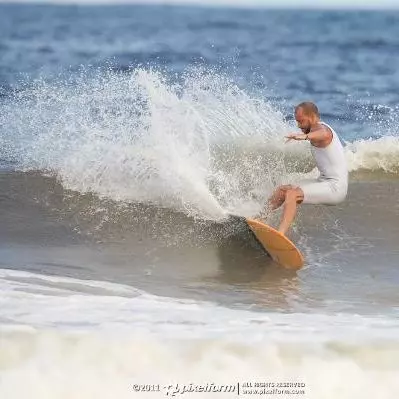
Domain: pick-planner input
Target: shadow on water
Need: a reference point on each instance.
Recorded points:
(245, 267)
(242, 258)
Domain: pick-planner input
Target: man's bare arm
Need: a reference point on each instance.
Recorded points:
(319, 135)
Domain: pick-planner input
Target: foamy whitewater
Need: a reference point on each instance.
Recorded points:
(128, 137)
(106, 338)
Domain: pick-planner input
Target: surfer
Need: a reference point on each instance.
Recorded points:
(331, 186)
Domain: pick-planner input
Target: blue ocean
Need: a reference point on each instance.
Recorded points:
(128, 135)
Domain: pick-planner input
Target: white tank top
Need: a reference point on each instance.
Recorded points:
(331, 160)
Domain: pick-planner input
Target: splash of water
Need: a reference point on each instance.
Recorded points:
(201, 145)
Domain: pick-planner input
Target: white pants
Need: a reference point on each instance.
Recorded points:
(318, 191)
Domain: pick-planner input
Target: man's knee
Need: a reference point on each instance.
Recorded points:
(285, 187)
(281, 191)
(294, 195)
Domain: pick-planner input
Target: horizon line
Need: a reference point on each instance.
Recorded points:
(211, 4)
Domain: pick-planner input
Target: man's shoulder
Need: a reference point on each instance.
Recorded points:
(326, 128)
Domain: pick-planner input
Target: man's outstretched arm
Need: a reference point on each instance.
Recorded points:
(316, 135)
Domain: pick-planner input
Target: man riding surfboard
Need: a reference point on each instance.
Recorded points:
(331, 186)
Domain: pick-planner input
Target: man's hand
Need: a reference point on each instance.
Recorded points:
(299, 136)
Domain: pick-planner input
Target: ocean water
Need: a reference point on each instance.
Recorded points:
(128, 134)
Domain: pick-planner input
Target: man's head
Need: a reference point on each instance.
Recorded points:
(306, 115)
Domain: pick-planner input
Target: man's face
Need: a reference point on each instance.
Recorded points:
(303, 121)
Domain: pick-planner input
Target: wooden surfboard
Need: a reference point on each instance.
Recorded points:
(277, 245)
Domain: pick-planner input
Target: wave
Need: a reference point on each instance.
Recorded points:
(86, 329)
(199, 145)
(143, 137)
(374, 154)
(45, 360)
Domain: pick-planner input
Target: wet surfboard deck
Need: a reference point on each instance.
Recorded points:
(282, 250)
